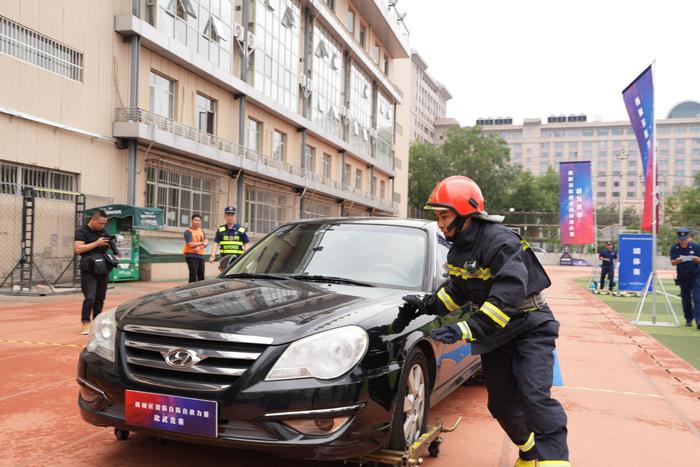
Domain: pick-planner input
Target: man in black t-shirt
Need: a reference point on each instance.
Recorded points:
(91, 243)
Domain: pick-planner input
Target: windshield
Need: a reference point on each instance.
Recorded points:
(384, 255)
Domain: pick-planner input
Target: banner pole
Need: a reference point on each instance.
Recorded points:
(655, 197)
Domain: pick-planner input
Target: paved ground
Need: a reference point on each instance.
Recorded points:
(630, 401)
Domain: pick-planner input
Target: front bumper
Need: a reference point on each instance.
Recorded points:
(251, 415)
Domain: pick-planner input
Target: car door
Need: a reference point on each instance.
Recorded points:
(452, 359)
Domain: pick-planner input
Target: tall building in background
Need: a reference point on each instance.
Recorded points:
(612, 149)
(428, 102)
(285, 108)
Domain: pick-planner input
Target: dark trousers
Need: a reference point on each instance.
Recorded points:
(611, 277)
(519, 380)
(687, 297)
(196, 268)
(94, 290)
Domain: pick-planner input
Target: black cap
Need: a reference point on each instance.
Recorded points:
(229, 210)
(683, 233)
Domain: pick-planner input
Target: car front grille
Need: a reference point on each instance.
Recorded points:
(219, 358)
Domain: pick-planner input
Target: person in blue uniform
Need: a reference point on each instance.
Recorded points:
(231, 239)
(607, 266)
(685, 256)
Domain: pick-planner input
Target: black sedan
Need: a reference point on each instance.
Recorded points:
(301, 348)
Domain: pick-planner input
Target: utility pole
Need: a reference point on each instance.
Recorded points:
(621, 156)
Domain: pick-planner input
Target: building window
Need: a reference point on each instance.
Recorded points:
(331, 4)
(205, 114)
(180, 192)
(273, 67)
(48, 183)
(376, 53)
(347, 170)
(327, 75)
(363, 35)
(360, 111)
(314, 208)
(279, 145)
(382, 189)
(631, 194)
(358, 179)
(350, 22)
(327, 167)
(162, 95)
(310, 159)
(37, 49)
(386, 69)
(385, 130)
(601, 194)
(204, 27)
(266, 209)
(373, 186)
(255, 135)
(215, 30)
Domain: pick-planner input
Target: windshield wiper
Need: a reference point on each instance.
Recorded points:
(251, 275)
(330, 279)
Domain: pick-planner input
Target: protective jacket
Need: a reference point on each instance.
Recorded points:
(496, 279)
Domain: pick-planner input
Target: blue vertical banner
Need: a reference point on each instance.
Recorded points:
(576, 219)
(639, 102)
(635, 252)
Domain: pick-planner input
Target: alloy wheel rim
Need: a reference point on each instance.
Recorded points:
(414, 404)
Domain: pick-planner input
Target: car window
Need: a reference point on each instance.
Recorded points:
(385, 255)
(443, 246)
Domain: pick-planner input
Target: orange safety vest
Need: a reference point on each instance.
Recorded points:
(197, 236)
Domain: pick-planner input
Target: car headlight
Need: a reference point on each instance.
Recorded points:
(102, 335)
(325, 355)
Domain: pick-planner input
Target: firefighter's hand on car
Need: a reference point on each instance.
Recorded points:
(451, 333)
(425, 304)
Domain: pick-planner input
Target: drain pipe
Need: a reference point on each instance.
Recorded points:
(133, 104)
(242, 108)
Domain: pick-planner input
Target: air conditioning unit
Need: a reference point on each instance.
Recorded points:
(302, 80)
(238, 31)
(251, 40)
(372, 132)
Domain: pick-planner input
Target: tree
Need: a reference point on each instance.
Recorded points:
(530, 193)
(466, 151)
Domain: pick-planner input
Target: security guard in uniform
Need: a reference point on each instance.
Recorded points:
(607, 259)
(495, 283)
(230, 239)
(685, 256)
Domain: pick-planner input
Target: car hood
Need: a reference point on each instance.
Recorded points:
(283, 310)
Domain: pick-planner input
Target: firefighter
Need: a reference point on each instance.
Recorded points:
(230, 239)
(495, 284)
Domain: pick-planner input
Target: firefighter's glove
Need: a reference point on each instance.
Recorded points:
(451, 333)
(425, 304)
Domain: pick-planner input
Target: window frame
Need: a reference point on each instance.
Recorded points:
(282, 143)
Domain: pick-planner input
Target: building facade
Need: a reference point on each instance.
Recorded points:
(428, 102)
(284, 108)
(612, 149)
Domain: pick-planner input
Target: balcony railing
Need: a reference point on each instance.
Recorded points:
(123, 115)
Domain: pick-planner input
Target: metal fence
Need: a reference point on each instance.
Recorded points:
(36, 238)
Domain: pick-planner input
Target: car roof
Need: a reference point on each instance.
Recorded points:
(420, 223)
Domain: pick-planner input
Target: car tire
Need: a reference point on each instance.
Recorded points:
(412, 403)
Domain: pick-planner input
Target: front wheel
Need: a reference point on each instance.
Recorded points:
(412, 402)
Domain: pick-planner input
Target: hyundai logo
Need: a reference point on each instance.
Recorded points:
(181, 358)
